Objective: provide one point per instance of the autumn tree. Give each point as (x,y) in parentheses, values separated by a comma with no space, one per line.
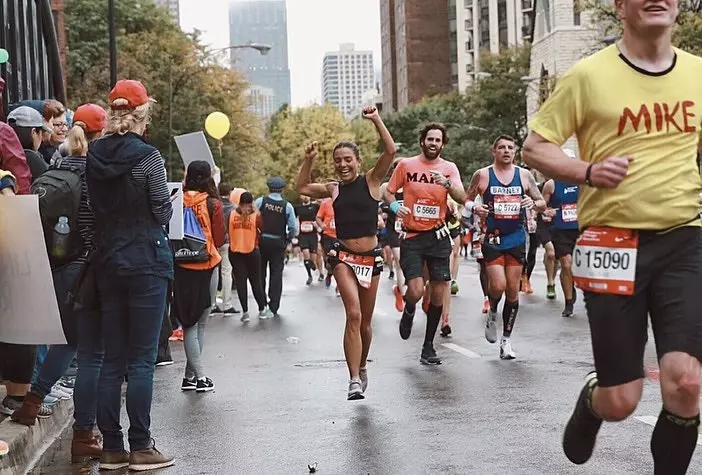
(179,72)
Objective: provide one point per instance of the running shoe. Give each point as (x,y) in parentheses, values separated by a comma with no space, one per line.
(551,292)
(164,362)
(327,280)
(580,433)
(568,310)
(363,375)
(245,317)
(265,314)
(406,324)
(321,277)
(228,312)
(429,355)
(188,384)
(399,300)
(204,385)
(486,306)
(454,287)
(309,281)
(391,276)
(491,326)
(506,352)
(355,390)
(177,335)
(9,406)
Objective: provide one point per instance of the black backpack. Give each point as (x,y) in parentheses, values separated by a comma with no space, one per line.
(59,191)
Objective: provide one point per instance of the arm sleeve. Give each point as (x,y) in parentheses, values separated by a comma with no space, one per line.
(155,174)
(563,113)
(292,221)
(217,222)
(397,179)
(13,160)
(86,218)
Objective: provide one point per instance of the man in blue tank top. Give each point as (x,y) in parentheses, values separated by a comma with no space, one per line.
(507,191)
(562,199)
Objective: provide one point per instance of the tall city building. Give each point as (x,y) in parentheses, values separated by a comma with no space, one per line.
(261,101)
(347,76)
(173,7)
(433,46)
(264,22)
(415,36)
(562,36)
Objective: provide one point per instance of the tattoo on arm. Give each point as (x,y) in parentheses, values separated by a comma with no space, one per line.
(534,192)
(474,187)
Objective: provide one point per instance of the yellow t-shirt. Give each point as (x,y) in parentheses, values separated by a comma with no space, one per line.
(614,109)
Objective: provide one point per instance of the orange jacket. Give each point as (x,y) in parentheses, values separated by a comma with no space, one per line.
(198,202)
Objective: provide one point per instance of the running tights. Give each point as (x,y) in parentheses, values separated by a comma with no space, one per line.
(531,255)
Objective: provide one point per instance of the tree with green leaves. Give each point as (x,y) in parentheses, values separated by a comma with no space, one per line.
(179,72)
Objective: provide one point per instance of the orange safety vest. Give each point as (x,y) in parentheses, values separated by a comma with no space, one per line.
(198,202)
(242,234)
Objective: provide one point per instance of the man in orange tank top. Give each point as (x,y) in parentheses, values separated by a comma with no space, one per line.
(427,180)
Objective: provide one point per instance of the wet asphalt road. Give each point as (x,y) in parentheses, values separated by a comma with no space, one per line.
(279,406)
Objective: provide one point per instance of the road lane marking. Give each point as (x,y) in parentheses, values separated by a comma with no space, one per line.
(461,350)
(381,313)
(651,420)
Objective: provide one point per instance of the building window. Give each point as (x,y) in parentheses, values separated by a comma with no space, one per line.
(502,23)
(468,24)
(468,4)
(576,12)
(484,23)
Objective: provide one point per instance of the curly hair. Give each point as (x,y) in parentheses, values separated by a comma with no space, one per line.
(123,120)
(434,126)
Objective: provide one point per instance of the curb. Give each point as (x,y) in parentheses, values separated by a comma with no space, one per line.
(27,444)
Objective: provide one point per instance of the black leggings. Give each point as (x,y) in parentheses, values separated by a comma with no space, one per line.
(248,266)
(17,362)
(531,254)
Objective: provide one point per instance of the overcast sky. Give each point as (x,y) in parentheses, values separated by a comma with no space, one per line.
(314,27)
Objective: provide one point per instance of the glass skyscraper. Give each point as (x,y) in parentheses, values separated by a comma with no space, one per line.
(263,21)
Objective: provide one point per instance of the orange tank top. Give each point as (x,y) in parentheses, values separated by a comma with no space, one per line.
(242,234)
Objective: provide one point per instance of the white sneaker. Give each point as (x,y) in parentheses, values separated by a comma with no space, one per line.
(506,352)
(355,390)
(491,326)
(363,375)
(265,314)
(245,317)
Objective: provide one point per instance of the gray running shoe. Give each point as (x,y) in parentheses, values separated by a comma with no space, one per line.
(363,374)
(491,327)
(355,390)
(9,406)
(245,317)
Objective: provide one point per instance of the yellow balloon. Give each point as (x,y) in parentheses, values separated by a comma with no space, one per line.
(217,125)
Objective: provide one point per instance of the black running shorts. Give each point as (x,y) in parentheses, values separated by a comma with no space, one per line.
(327,243)
(425,248)
(667,286)
(455,232)
(308,241)
(543,233)
(564,241)
(376,253)
(515,256)
(393,239)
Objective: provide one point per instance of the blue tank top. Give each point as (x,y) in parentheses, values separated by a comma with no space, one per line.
(506,218)
(565,201)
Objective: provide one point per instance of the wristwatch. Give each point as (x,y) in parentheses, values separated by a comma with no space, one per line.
(447,185)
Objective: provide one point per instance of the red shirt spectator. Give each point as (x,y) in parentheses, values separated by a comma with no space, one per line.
(12,158)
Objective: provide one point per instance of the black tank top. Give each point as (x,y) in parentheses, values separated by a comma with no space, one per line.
(355,210)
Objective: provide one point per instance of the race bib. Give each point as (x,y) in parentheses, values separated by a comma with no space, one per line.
(332,224)
(361,265)
(398,225)
(604,260)
(569,212)
(426,210)
(507,206)
(306,227)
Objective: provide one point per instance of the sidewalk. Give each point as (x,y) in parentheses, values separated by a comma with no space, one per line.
(27,444)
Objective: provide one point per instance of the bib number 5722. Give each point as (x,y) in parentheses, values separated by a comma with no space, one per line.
(604,261)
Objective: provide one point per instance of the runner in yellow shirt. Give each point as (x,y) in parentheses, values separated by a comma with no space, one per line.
(635,108)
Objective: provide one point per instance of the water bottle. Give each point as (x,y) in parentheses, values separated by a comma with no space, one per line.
(60,240)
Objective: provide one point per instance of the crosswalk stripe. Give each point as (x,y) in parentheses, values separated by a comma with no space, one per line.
(461,350)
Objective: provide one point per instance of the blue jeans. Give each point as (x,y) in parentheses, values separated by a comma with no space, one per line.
(59,357)
(90,355)
(132,311)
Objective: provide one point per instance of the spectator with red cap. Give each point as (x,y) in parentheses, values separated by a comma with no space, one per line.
(131,202)
(81,327)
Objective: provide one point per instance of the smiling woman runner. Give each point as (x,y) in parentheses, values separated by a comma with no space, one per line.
(356,260)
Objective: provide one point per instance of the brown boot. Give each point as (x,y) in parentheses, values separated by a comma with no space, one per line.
(27,414)
(85,446)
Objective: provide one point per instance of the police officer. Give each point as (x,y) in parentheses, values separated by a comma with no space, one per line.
(279,225)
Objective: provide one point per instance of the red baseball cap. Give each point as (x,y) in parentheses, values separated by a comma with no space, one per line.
(132,91)
(93,116)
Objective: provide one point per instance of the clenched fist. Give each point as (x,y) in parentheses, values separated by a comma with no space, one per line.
(312,150)
(370,113)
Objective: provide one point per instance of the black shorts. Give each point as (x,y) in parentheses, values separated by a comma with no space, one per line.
(376,253)
(511,257)
(564,241)
(667,286)
(425,248)
(393,239)
(308,241)
(543,234)
(327,243)
(383,241)
(455,232)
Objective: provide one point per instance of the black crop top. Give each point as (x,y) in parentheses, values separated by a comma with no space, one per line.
(355,210)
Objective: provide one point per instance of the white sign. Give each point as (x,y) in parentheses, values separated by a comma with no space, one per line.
(29,312)
(193,147)
(175,225)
